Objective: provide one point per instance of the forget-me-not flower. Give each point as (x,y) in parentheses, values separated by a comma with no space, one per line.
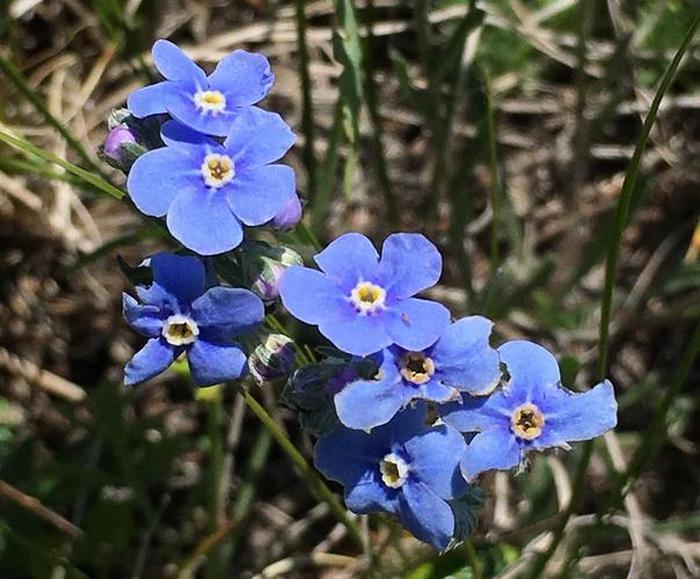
(404,468)
(207,189)
(460,361)
(179,316)
(208,104)
(533,411)
(363,303)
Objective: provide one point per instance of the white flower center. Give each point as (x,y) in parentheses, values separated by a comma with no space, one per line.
(394,471)
(368,298)
(416,367)
(210,101)
(527,421)
(180,330)
(217,170)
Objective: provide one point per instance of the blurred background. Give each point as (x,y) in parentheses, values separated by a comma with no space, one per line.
(502,130)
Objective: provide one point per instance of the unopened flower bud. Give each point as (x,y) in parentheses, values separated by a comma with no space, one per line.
(273,359)
(129,138)
(289,216)
(265,264)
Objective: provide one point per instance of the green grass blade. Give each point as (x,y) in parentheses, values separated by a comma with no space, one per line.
(30,149)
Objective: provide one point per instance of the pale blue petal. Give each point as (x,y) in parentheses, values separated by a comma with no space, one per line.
(204,222)
(225,312)
(494,449)
(353,333)
(174,64)
(146,320)
(175,133)
(463,357)
(257,194)
(435,456)
(366,404)
(415,324)
(181,106)
(530,366)
(155,357)
(150,100)
(434,391)
(244,77)
(348,259)
(409,264)
(215,363)
(474,413)
(258,137)
(309,295)
(426,515)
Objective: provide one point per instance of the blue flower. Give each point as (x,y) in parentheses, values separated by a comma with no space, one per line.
(207,189)
(363,303)
(208,104)
(179,316)
(533,411)
(460,361)
(404,468)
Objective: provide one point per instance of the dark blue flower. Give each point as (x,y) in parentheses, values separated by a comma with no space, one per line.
(460,361)
(404,468)
(363,303)
(179,316)
(208,104)
(533,411)
(207,189)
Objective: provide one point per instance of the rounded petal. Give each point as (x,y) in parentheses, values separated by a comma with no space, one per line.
(309,295)
(204,223)
(225,312)
(434,391)
(257,194)
(258,137)
(353,333)
(155,357)
(150,100)
(345,455)
(157,177)
(529,365)
(182,276)
(175,133)
(370,495)
(571,416)
(435,456)
(174,64)
(366,404)
(475,413)
(409,264)
(494,449)
(415,324)
(180,104)
(426,515)
(463,357)
(349,259)
(146,320)
(214,363)
(244,77)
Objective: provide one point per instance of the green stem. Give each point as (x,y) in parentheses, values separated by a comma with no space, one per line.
(312,477)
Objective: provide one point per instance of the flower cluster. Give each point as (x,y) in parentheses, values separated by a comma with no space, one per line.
(409,405)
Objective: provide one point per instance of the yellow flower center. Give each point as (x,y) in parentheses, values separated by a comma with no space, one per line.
(394,471)
(527,421)
(368,298)
(217,170)
(180,330)
(416,367)
(211,101)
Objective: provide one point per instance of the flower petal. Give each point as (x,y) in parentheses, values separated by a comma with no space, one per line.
(530,366)
(146,320)
(258,137)
(157,177)
(369,494)
(366,404)
(463,357)
(182,276)
(258,193)
(349,259)
(353,333)
(345,455)
(180,103)
(155,357)
(435,456)
(426,515)
(409,264)
(224,312)
(475,413)
(174,64)
(309,295)
(214,363)
(494,449)
(244,77)
(175,133)
(571,416)
(415,324)
(150,100)
(204,223)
